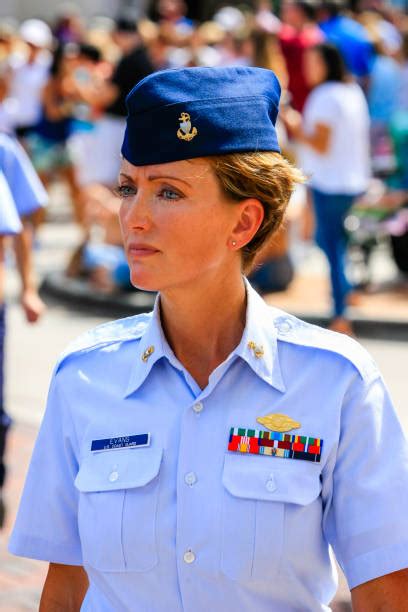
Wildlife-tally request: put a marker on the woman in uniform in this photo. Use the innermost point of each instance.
(207, 455)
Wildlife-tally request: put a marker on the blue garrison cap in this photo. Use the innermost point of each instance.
(196, 112)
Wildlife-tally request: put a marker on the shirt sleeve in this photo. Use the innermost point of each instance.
(46, 526)
(9, 219)
(322, 108)
(365, 517)
(28, 192)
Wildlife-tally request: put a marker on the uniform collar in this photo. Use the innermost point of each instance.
(258, 346)
(151, 348)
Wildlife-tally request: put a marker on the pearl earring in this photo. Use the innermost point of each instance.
(234, 243)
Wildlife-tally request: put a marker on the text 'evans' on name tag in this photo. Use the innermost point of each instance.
(135, 441)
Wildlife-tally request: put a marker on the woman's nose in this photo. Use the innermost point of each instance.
(138, 213)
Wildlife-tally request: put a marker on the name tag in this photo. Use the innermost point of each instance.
(136, 441)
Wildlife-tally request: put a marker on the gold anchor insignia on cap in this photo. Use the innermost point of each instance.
(278, 422)
(149, 351)
(186, 131)
(256, 348)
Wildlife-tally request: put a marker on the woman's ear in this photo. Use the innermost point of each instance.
(250, 216)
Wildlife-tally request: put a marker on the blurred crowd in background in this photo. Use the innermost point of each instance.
(62, 95)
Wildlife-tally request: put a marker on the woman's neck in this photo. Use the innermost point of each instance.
(204, 323)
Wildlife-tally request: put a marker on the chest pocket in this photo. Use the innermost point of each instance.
(118, 507)
(258, 492)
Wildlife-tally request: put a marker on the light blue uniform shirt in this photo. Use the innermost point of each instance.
(21, 191)
(186, 525)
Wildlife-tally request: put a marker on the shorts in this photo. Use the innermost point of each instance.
(46, 155)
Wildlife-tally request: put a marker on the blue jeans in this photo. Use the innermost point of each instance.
(330, 212)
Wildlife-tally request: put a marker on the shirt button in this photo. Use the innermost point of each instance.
(198, 407)
(190, 478)
(270, 486)
(189, 556)
(113, 476)
(284, 326)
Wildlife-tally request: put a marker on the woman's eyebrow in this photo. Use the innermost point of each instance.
(126, 176)
(154, 177)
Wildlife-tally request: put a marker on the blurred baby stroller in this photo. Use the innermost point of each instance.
(380, 217)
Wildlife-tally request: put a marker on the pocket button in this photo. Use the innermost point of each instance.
(189, 556)
(190, 478)
(271, 485)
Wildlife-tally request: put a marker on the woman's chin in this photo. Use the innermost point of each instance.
(144, 282)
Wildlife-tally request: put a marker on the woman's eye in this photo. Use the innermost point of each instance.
(169, 194)
(124, 191)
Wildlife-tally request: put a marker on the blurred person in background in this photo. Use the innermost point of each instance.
(68, 26)
(29, 74)
(96, 152)
(383, 94)
(158, 47)
(205, 42)
(266, 53)
(7, 38)
(21, 195)
(334, 134)
(234, 48)
(273, 269)
(84, 141)
(133, 65)
(265, 17)
(403, 94)
(175, 32)
(298, 33)
(47, 141)
(173, 13)
(350, 38)
(103, 259)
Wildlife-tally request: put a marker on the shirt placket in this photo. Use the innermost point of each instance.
(201, 454)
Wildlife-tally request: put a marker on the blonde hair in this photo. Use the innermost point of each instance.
(266, 176)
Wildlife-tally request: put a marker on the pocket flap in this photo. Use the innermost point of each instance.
(265, 478)
(118, 469)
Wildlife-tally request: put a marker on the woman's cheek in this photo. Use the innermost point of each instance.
(123, 217)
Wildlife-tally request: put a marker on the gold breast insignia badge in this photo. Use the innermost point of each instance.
(278, 422)
(186, 131)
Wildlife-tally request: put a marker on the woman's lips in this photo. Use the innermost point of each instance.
(141, 250)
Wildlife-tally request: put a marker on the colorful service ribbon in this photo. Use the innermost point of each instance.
(275, 444)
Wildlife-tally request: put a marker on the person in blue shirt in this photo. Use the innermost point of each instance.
(208, 455)
(350, 37)
(21, 195)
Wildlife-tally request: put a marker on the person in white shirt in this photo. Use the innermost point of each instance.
(335, 154)
(29, 74)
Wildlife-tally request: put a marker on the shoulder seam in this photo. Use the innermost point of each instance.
(359, 358)
(91, 347)
(85, 343)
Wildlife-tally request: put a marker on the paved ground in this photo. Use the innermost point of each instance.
(31, 355)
